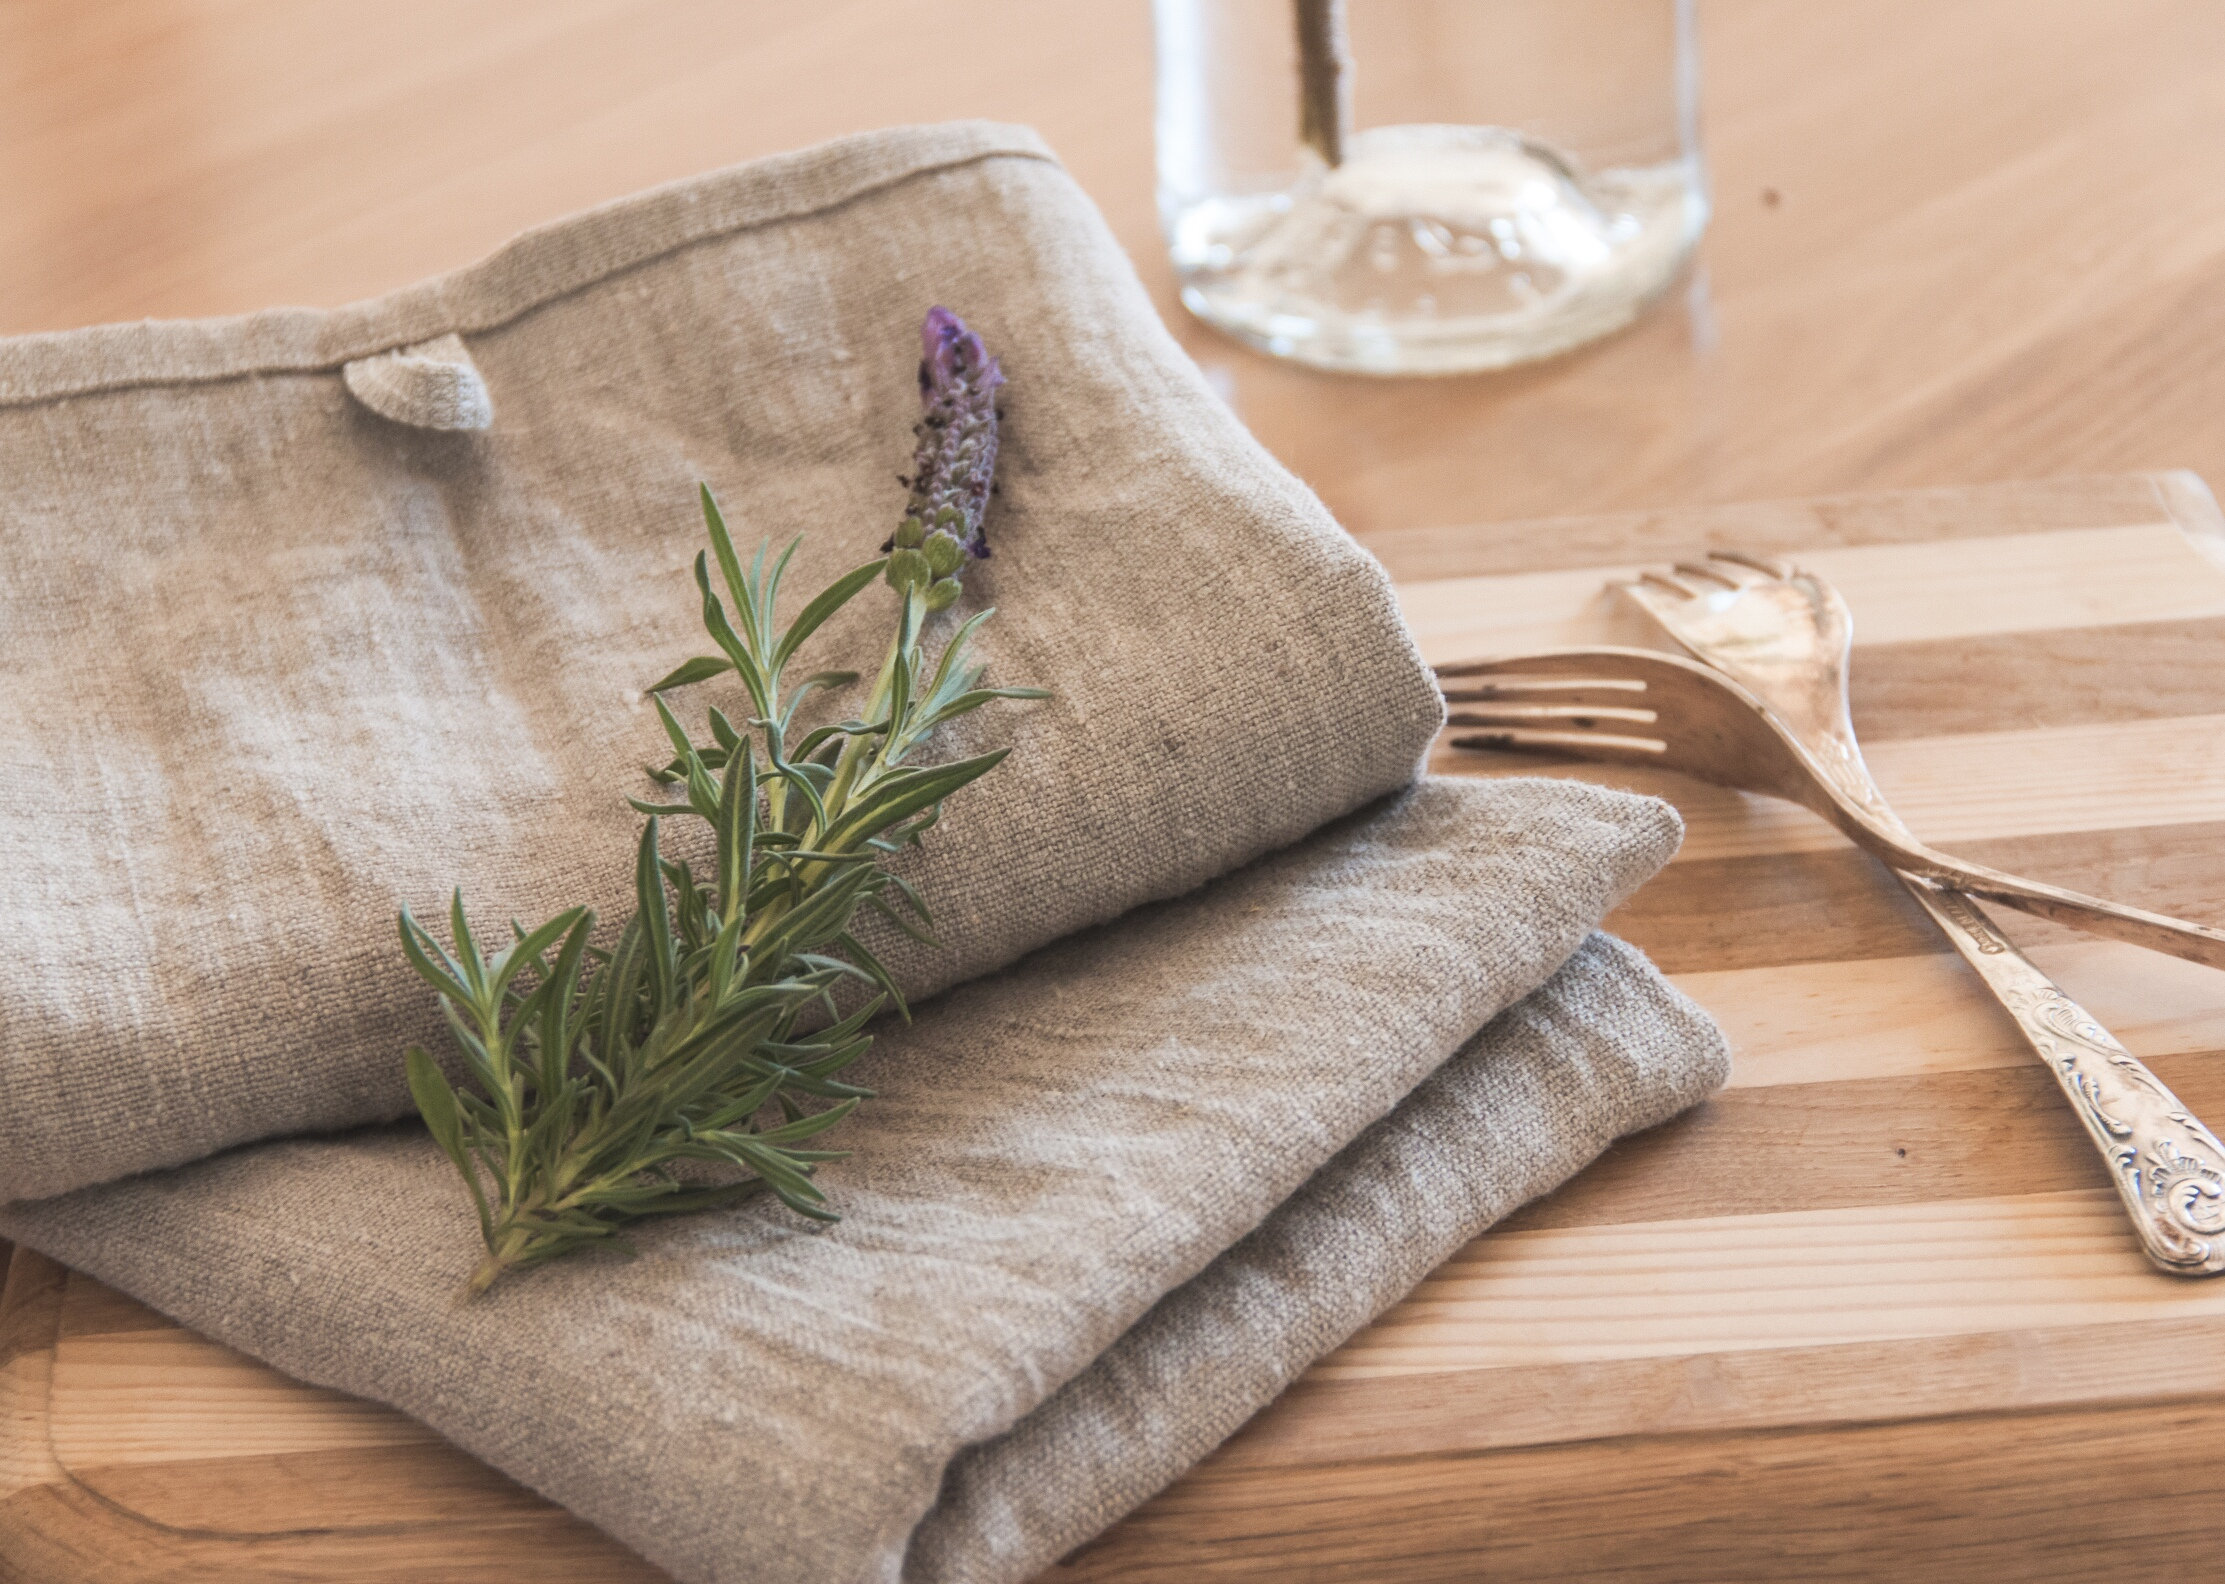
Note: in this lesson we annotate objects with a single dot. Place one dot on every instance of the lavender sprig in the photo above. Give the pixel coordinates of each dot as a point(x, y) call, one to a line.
point(600, 1083)
point(953, 464)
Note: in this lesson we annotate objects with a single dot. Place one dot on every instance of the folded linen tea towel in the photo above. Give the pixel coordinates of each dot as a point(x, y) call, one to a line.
point(314, 614)
point(1106, 1204)
point(309, 615)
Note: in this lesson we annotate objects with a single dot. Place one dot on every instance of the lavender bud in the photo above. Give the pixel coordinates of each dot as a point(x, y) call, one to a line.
point(957, 452)
point(907, 567)
point(945, 554)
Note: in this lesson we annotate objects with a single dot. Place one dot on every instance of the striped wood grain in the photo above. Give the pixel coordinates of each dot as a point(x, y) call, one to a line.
point(1870, 1313)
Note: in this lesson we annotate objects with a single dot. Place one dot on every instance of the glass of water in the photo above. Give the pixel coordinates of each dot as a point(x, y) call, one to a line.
point(1427, 186)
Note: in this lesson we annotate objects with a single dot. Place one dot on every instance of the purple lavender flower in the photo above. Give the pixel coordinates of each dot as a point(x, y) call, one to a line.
point(953, 464)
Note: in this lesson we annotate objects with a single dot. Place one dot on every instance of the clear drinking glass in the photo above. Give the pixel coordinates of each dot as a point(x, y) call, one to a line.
point(1427, 186)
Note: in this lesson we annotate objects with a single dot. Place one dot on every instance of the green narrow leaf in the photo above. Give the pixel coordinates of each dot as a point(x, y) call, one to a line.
point(737, 832)
point(955, 650)
point(701, 669)
point(874, 969)
point(656, 925)
point(703, 792)
point(729, 565)
point(618, 984)
point(529, 949)
point(727, 959)
point(768, 592)
point(798, 777)
point(778, 1170)
point(820, 735)
point(900, 923)
point(799, 855)
point(808, 1126)
point(559, 1030)
point(702, 796)
point(659, 810)
point(907, 792)
point(467, 950)
point(682, 748)
point(912, 899)
point(478, 1059)
point(687, 907)
point(966, 703)
point(723, 634)
point(904, 660)
point(433, 964)
point(436, 1103)
point(823, 913)
point(814, 615)
point(755, 584)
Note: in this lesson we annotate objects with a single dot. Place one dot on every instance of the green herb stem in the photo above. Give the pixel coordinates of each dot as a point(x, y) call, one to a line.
point(593, 1074)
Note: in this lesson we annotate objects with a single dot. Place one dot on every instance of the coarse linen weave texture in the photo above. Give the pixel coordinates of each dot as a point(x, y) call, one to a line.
point(1105, 1205)
point(309, 615)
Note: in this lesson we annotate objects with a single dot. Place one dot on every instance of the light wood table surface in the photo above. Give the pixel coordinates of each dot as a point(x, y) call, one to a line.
point(1869, 1314)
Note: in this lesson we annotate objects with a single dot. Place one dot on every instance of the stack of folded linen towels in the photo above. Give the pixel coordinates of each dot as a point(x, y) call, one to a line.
point(1235, 1030)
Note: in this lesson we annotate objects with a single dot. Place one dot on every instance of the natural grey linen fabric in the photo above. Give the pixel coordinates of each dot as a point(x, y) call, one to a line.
point(1606, 1048)
point(1054, 1151)
point(273, 665)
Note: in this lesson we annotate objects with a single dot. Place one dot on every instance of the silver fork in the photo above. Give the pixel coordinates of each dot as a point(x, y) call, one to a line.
point(1785, 636)
point(1788, 636)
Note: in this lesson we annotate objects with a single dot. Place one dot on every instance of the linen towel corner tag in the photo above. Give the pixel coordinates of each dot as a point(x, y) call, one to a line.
point(432, 385)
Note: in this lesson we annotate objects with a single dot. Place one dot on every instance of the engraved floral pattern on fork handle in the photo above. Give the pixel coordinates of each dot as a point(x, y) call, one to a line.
point(2168, 1168)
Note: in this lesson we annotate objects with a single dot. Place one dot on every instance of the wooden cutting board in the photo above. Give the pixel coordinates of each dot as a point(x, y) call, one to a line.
point(1871, 1313)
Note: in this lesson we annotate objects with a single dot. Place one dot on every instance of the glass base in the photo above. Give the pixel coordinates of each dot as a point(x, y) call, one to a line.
point(1438, 250)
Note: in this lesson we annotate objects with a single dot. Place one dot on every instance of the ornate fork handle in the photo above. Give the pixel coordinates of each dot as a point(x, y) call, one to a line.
point(2168, 1168)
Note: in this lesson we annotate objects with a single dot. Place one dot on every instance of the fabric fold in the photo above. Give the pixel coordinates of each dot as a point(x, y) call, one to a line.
point(1241, 1099)
point(277, 665)
point(1606, 1048)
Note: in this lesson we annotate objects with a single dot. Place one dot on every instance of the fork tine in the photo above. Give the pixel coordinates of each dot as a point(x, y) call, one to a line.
point(1696, 569)
point(1656, 603)
point(1581, 716)
point(1781, 570)
point(1663, 581)
point(1597, 746)
point(1505, 681)
point(1571, 698)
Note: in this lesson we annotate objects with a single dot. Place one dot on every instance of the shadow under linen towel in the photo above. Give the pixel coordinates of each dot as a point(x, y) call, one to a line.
point(309, 615)
point(1105, 1205)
